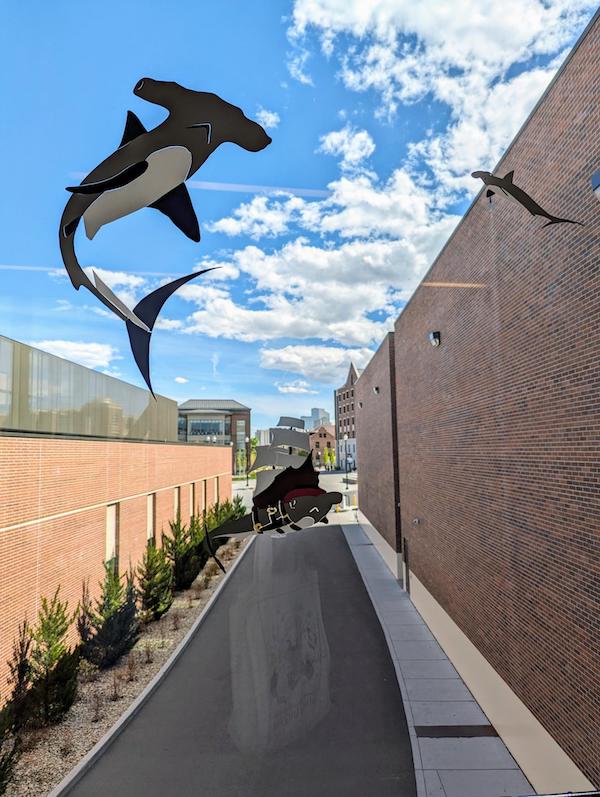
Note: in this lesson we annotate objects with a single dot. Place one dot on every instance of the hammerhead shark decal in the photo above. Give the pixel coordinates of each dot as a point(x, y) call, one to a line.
point(149, 169)
point(506, 186)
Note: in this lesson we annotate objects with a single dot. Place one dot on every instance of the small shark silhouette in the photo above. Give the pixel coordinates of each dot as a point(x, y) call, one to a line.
point(148, 170)
point(506, 186)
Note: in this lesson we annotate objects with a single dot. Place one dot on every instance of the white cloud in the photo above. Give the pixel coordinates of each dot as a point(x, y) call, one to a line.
point(297, 67)
point(354, 146)
point(261, 217)
point(181, 380)
point(328, 364)
point(214, 360)
point(92, 355)
point(268, 119)
point(297, 386)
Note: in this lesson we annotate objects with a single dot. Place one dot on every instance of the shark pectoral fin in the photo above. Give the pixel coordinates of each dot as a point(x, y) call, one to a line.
point(133, 129)
point(509, 176)
point(177, 206)
point(124, 177)
point(489, 193)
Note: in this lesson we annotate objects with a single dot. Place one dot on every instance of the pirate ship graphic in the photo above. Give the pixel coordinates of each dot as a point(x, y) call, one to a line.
point(287, 495)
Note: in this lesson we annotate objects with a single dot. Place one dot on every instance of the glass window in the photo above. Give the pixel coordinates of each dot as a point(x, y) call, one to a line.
point(150, 516)
point(112, 535)
point(240, 428)
point(207, 426)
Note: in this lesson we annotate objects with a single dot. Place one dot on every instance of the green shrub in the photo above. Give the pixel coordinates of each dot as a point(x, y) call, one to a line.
point(53, 666)
point(112, 628)
point(9, 748)
point(239, 510)
point(155, 579)
point(20, 678)
point(183, 554)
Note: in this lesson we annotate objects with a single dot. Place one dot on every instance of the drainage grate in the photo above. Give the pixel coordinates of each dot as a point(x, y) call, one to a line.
point(454, 731)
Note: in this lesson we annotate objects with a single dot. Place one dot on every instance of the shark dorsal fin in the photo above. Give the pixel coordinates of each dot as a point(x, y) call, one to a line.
point(509, 176)
point(133, 128)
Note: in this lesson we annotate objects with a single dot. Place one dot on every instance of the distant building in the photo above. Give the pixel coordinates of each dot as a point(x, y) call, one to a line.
point(217, 422)
point(345, 427)
point(321, 438)
point(318, 417)
point(263, 437)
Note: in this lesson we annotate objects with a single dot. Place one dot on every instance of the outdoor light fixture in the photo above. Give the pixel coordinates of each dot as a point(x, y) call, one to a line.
point(435, 338)
point(360, 405)
point(376, 390)
point(596, 184)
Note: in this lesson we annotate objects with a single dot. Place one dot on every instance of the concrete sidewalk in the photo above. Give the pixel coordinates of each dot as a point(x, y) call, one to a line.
point(456, 751)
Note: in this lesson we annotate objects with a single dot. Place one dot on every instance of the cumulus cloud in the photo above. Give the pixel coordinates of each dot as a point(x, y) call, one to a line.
point(353, 146)
point(181, 380)
point(297, 67)
point(92, 355)
point(297, 386)
point(268, 119)
point(328, 364)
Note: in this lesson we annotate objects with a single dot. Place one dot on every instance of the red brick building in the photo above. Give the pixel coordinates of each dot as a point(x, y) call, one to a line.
point(68, 501)
point(345, 419)
point(322, 438)
point(480, 464)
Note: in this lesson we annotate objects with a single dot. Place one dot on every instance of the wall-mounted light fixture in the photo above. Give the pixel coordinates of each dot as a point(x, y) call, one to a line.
point(596, 184)
point(376, 390)
point(360, 405)
point(435, 338)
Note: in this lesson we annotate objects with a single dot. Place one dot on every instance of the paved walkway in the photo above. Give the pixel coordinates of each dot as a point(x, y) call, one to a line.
point(456, 751)
point(287, 688)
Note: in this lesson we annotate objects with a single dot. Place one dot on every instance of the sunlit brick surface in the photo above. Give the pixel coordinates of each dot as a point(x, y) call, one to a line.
point(53, 498)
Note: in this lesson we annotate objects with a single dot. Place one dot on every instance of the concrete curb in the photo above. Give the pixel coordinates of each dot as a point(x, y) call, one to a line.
point(79, 770)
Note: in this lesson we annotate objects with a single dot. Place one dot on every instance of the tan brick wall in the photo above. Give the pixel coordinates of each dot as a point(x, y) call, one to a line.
point(53, 499)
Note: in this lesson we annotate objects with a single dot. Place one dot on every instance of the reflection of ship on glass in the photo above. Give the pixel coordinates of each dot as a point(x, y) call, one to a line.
point(289, 447)
point(279, 652)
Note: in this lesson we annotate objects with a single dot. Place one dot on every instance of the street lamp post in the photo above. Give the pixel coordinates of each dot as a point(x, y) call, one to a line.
point(346, 457)
point(247, 460)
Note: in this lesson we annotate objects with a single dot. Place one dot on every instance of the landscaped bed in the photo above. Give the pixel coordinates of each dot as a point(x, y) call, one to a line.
point(49, 753)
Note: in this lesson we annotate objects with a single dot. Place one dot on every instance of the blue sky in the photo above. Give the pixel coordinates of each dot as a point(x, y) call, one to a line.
point(378, 115)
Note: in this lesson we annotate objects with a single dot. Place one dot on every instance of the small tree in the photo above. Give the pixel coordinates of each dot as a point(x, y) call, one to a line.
point(54, 666)
point(155, 579)
point(182, 553)
point(113, 628)
point(20, 677)
point(9, 748)
point(239, 510)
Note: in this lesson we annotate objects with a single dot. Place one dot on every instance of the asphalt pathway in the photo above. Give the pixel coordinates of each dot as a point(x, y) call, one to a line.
point(287, 688)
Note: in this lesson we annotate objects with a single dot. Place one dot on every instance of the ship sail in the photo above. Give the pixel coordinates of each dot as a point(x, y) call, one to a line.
point(269, 456)
point(287, 439)
point(290, 438)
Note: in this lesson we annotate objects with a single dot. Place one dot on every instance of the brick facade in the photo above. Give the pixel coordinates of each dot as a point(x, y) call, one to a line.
point(53, 513)
point(499, 427)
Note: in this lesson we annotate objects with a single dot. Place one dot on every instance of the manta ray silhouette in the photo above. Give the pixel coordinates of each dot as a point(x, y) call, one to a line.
point(293, 499)
point(506, 186)
point(149, 169)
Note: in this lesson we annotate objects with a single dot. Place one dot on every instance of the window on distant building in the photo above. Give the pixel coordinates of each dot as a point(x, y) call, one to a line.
point(176, 501)
point(112, 535)
point(317, 444)
point(150, 517)
point(192, 498)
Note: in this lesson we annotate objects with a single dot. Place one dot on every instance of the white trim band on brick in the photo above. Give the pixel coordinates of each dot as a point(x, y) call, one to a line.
point(114, 500)
point(545, 764)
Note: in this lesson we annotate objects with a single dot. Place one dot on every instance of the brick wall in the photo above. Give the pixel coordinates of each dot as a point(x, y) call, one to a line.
point(499, 427)
point(376, 448)
point(53, 499)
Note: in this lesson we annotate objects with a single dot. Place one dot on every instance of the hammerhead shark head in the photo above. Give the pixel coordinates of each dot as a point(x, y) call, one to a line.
point(506, 186)
point(149, 169)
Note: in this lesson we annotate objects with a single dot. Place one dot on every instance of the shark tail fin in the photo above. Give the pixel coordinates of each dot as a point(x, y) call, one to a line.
point(556, 220)
point(147, 311)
